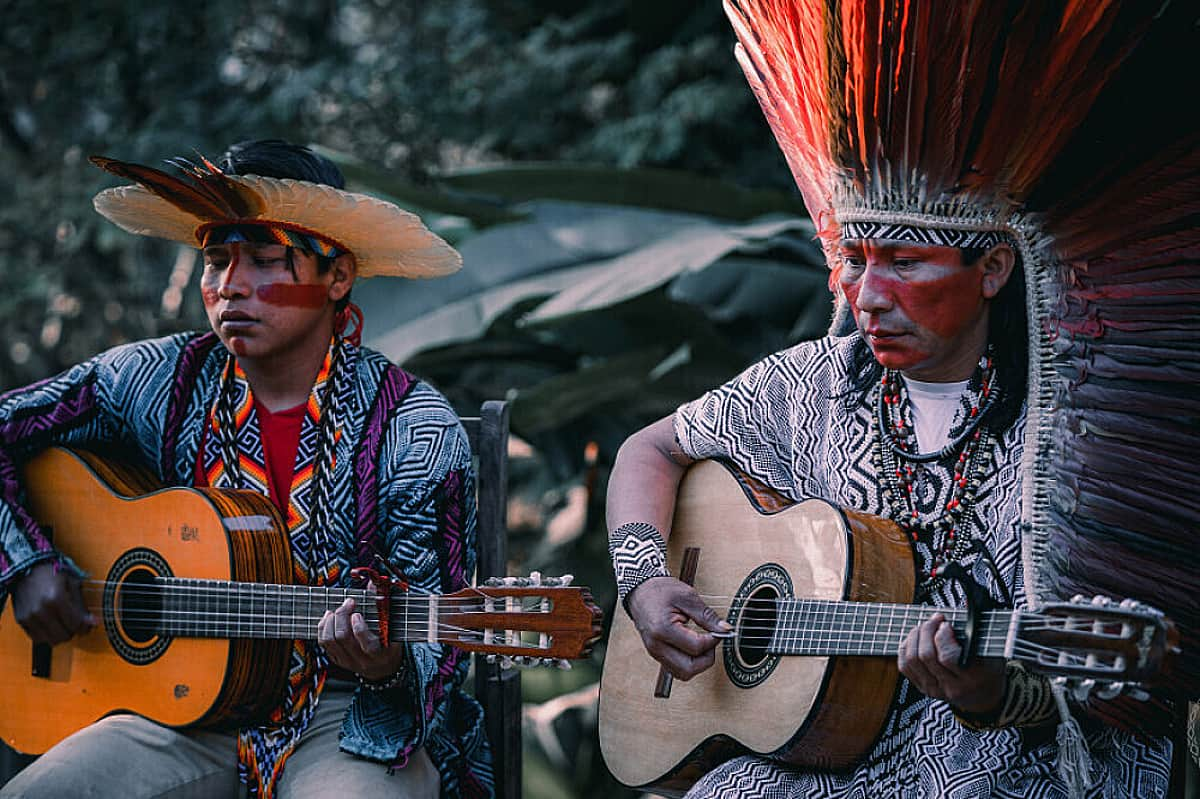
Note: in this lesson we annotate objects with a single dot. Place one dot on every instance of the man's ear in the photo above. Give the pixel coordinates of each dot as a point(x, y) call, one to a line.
point(344, 271)
point(997, 264)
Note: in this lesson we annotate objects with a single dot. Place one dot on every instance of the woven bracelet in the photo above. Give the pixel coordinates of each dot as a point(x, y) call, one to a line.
point(638, 554)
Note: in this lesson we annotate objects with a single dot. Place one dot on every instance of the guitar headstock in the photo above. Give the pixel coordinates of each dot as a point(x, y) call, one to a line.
point(1098, 643)
point(524, 621)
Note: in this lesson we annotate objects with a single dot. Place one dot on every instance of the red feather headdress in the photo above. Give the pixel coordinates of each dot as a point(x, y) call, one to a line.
point(1057, 124)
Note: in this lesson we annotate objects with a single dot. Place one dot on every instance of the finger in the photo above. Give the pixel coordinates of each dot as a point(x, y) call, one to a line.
point(341, 621)
point(913, 668)
point(697, 610)
point(366, 639)
point(688, 641)
point(61, 616)
point(948, 652)
point(681, 665)
point(43, 627)
point(87, 619)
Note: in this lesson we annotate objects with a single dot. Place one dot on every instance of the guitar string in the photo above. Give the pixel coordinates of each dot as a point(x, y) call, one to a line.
point(197, 617)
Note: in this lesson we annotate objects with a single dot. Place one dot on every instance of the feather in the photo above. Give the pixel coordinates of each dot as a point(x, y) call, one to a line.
point(210, 197)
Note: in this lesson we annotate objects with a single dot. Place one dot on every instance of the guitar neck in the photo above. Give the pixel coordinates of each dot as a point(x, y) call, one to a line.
point(826, 627)
point(190, 608)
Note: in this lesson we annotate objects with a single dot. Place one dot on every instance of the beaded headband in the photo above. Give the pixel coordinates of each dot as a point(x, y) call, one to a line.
point(268, 233)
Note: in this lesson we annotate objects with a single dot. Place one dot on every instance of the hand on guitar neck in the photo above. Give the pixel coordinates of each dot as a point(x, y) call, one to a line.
point(352, 644)
point(928, 657)
point(48, 605)
point(661, 609)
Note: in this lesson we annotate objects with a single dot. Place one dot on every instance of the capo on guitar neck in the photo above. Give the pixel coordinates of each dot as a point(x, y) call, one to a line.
point(384, 583)
point(978, 601)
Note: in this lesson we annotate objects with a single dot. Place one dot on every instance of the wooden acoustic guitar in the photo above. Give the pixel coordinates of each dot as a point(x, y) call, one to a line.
point(830, 586)
point(197, 616)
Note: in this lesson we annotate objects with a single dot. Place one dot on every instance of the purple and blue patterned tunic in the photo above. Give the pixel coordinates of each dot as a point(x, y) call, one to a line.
point(403, 487)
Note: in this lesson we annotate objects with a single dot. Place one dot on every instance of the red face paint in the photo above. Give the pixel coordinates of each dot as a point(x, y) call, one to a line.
point(915, 306)
point(293, 295)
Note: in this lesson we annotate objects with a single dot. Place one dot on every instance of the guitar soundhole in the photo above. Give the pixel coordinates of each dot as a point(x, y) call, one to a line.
point(140, 606)
point(133, 611)
point(754, 615)
point(756, 626)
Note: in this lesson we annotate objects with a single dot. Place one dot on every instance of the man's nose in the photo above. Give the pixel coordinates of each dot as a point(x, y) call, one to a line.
point(874, 290)
point(232, 279)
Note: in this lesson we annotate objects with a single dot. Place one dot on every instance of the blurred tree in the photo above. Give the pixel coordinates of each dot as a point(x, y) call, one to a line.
point(410, 86)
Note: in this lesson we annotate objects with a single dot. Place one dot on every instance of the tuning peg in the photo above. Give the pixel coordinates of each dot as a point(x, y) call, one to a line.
point(535, 578)
point(566, 579)
point(1134, 691)
point(1078, 599)
point(509, 581)
point(1101, 600)
point(493, 582)
point(563, 663)
point(490, 657)
point(506, 662)
point(1111, 691)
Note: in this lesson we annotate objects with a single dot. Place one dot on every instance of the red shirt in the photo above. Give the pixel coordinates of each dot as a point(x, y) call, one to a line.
point(280, 440)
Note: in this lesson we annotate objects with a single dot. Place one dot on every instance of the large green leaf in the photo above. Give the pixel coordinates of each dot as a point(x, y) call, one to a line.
point(646, 188)
point(639, 271)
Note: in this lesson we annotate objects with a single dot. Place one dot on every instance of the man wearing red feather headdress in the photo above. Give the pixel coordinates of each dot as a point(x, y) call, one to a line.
point(930, 142)
point(367, 466)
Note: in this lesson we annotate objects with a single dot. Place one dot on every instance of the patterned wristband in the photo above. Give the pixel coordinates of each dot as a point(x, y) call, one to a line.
point(638, 553)
point(1028, 702)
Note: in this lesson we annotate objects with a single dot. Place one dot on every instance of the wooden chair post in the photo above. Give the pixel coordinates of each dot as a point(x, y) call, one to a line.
point(498, 690)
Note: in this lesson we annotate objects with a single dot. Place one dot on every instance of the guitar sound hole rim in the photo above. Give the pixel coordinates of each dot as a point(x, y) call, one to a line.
point(747, 662)
point(135, 639)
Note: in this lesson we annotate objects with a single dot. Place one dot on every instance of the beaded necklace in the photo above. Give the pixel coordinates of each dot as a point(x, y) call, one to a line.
point(897, 461)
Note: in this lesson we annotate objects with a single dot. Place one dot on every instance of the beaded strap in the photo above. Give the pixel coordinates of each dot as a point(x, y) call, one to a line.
point(638, 554)
point(1028, 702)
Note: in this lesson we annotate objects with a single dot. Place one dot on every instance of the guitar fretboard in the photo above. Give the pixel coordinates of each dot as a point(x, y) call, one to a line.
point(826, 627)
point(216, 609)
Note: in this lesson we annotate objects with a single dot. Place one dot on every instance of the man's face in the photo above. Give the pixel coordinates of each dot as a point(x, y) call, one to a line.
point(919, 308)
point(257, 305)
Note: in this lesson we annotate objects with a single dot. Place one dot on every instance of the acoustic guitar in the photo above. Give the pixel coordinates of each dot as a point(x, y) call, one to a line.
point(191, 587)
point(819, 600)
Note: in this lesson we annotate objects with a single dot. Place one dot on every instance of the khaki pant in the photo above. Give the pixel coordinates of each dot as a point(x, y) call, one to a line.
point(128, 757)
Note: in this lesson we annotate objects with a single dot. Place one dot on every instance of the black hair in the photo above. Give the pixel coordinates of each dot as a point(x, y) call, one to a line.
point(276, 158)
point(1008, 333)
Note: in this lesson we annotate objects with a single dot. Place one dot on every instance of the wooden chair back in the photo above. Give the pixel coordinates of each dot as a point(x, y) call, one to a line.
point(498, 690)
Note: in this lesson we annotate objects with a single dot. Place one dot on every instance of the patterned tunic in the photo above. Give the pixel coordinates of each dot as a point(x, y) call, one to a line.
point(403, 487)
point(793, 422)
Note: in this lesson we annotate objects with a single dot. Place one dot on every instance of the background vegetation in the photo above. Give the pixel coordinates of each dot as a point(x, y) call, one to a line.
point(630, 233)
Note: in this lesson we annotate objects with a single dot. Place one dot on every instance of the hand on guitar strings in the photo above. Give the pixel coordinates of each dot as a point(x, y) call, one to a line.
point(661, 608)
point(48, 605)
point(352, 644)
point(928, 657)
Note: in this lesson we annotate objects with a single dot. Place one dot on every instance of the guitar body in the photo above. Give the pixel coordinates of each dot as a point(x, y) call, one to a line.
point(94, 514)
point(818, 712)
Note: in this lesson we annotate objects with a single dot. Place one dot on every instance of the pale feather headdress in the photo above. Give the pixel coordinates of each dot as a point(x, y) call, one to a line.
point(384, 239)
point(1054, 125)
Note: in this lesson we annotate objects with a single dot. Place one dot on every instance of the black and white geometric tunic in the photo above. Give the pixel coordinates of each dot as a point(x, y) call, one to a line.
point(793, 422)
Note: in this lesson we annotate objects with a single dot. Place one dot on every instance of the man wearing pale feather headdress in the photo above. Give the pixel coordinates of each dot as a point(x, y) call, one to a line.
point(367, 465)
point(979, 234)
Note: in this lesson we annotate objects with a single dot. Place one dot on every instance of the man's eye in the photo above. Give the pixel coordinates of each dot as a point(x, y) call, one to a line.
point(905, 263)
point(267, 262)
